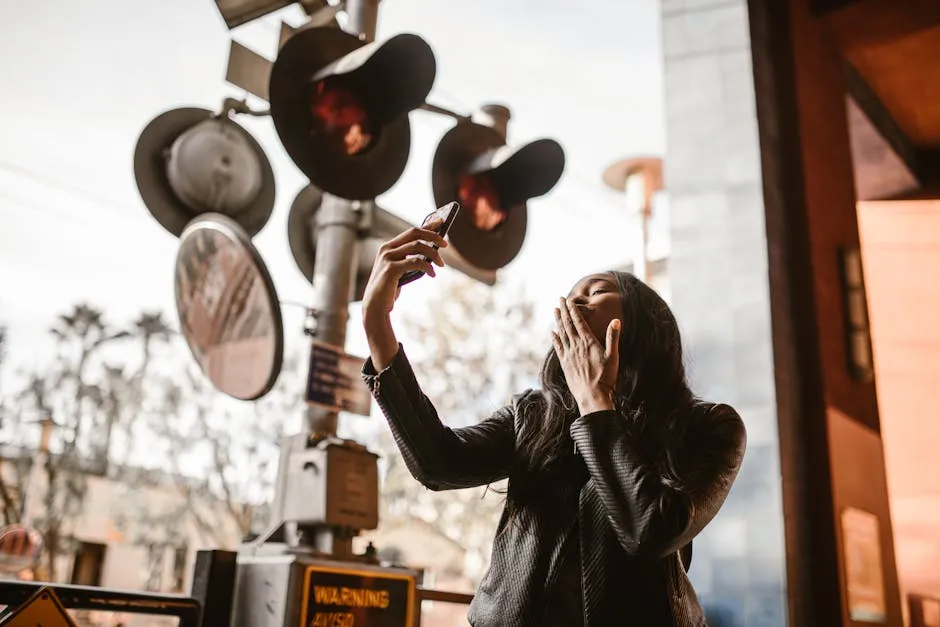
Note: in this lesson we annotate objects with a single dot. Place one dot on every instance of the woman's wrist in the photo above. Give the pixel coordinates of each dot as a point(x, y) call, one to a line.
point(383, 345)
point(598, 398)
point(373, 318)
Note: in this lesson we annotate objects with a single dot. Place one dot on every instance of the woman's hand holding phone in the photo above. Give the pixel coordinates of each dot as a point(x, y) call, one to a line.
point(397, 256)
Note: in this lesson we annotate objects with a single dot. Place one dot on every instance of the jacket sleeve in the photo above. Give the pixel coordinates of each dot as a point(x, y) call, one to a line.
point(439, 457)
point(648, 511)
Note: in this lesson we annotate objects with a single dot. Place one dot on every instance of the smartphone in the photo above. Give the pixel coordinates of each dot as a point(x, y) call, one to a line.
point(447, 213)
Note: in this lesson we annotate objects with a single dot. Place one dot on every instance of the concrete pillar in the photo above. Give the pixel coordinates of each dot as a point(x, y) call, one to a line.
point(762, 202)
point(721, 295)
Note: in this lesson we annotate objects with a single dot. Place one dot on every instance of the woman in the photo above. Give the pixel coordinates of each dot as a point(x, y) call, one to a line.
point(613, 465)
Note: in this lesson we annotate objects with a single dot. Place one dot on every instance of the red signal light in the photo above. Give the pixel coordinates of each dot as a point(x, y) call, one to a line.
point(478, 195)
point(340, 116)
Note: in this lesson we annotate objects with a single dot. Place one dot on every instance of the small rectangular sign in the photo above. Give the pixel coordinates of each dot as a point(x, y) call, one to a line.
point(864, 577)
point(248, 70)
point(334, 381)
point(238, 12)
point(351, 597)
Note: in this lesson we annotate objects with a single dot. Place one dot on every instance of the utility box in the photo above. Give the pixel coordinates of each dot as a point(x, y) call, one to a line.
point(335, 485)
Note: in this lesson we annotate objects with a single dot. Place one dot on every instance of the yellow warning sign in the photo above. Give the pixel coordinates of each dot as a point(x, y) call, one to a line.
point(43, 609)
point(354, 597)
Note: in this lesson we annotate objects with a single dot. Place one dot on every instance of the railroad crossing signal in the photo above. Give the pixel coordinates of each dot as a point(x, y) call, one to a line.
point(190, 161)
point(340, 107)
point(493, 182)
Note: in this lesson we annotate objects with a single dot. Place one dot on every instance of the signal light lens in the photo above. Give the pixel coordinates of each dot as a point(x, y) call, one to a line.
point(478, 195)
point(340, 116)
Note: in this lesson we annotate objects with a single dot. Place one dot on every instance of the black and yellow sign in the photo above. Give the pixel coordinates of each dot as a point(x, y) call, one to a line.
point(43, 609)
point(350, 597)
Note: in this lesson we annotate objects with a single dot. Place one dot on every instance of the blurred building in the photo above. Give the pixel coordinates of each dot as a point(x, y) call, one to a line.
point(900, 243)
point(134, 529)
point(781, 115)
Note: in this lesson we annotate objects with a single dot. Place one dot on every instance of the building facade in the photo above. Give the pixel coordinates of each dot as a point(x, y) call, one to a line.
point(766, 159)
point(130, 529)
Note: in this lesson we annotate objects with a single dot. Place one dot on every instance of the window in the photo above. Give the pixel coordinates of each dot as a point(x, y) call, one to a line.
point(88, 564)
point(179, 568)
point(855, 304)
point(155, 553)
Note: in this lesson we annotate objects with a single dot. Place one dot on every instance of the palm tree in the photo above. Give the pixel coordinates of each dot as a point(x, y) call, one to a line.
point(125, 393)
point(86, 393)
point(150, 327)
point(86, 328)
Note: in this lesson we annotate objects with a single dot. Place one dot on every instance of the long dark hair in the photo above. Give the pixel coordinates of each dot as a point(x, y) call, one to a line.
point(652, 393)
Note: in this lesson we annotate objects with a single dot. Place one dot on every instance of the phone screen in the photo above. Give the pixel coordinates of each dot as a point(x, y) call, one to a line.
point(447, 213)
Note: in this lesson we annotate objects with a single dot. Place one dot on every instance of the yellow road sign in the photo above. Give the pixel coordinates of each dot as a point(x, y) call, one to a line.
point(43, 609)
point(356, 597)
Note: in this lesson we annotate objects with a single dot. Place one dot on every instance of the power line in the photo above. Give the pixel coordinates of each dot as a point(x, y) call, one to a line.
point(29, 204)
point(115, 207)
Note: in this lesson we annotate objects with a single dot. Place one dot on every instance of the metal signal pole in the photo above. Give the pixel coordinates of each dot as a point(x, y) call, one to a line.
point(336, 228)
point(336, 232)
point(362, 16)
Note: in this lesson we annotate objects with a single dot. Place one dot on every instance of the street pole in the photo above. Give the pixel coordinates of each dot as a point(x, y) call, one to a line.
point(645, 212)
point(362, 17)
point(496, 116)
point(336, 233)
point(37, 480)
point(638, 200)
point(639, 178)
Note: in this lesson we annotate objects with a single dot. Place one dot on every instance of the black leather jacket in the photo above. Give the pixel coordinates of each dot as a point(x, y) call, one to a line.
point(627, 520)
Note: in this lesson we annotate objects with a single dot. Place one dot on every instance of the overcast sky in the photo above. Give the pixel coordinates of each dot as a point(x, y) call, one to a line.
point(79, 80)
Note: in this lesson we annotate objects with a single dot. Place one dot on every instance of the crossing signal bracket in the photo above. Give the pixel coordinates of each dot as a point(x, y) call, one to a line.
point(303, 245)
point(381, 226)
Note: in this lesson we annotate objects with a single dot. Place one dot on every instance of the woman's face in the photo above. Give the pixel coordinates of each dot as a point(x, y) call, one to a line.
point(598, 299)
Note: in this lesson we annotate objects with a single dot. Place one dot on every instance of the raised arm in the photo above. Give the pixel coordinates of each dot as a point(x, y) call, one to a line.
point(655, 514)
point(439, 457)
